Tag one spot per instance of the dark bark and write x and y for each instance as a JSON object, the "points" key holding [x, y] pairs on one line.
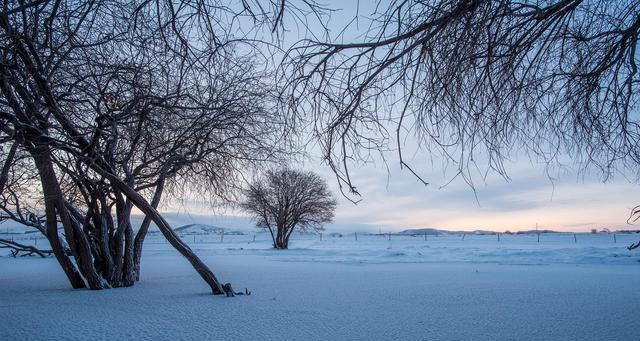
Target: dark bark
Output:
{"points": [[278, 243], [273, 238], [122, 244], [82, 251], [102, 221], [173, 239], [46, 172], [282, 239], [4, 174], [144, 228]]}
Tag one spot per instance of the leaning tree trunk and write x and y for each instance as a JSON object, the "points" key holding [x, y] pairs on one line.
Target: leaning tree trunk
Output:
{"points": [[55, 206], [173, 239], [273, 238], [46, 172], [288, 235], [144, 228]]}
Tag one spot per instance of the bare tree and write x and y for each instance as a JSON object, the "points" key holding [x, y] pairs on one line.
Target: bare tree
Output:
{"points": [[115, 102], [285, 200], [633, 218], [476, 81]]}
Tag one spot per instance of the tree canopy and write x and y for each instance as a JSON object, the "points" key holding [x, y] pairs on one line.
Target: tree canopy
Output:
{"points": [[285, 200]]}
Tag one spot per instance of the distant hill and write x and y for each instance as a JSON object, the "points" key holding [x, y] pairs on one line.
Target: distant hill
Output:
{"points": [[430, 231], [433, 231], [536, 231], [205, 229], [627, 231]]}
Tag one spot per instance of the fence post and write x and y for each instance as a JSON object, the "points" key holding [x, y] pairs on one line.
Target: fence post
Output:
{"points": [[575, 240], [614, 239], [498, 236], [538, 237], [425, 236], [355, 234]]}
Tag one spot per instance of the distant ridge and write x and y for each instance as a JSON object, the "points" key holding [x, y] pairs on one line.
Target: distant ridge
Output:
{"points": [[433, 231], [536, 231], [205, 229]]}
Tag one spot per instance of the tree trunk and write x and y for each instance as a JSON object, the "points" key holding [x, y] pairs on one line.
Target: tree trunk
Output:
{"points": [[102, 220], [4, 174], [173, 239], [129, 276], [279, 234], [96, 225], [273, 238], [45, 171], [123, 217], [288, 235], [282, 239], [144, 228], [82, 249]]}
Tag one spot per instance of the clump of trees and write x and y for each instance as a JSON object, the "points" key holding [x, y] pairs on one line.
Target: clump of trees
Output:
{"points": [[107, 106], [287, 200]]}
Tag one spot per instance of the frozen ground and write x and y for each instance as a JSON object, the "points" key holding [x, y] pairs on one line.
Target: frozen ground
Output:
{"points": [[405, 288]]}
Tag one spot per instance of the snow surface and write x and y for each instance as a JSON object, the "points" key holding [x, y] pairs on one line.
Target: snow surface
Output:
{"points": [[405, 288]]}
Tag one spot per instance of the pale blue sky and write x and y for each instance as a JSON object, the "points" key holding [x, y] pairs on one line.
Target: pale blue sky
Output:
{"points": [[395, 200]]}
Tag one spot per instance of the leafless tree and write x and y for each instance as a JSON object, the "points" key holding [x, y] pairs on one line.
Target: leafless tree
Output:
{"points": [[115, 102], [285, 200], [476, 81], [633, 218]]}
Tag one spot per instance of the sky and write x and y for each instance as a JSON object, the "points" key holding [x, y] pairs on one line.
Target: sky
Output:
{"points": [[397, 200], [393, 199]]}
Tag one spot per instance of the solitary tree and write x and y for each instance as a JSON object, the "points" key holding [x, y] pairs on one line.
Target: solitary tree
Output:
{"points": [[286, 199]]}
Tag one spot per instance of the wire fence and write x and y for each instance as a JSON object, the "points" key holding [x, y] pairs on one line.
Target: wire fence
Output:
{"points": [[531, 239]]}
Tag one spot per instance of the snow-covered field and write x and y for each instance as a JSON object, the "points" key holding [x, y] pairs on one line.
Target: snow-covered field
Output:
{"points": [[372, 288]]}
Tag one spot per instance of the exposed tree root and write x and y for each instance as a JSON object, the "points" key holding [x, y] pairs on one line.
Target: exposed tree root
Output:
{"points": [[228, 290]]}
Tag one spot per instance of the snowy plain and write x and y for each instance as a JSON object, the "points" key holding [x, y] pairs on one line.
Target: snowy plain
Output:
{"points": [[340, 288]]}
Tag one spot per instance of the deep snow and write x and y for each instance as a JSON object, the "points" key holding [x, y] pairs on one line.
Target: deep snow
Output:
{"points": [[342, 289]]}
